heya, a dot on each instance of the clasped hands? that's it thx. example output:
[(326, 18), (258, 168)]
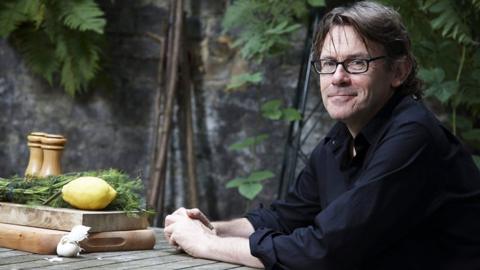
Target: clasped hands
[(189, 230)]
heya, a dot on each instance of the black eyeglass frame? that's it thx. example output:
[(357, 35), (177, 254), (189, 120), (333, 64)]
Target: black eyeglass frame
[(345, 64)]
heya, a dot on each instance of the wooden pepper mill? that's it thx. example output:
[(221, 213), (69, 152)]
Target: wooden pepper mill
[(52, 146), (36, 154)]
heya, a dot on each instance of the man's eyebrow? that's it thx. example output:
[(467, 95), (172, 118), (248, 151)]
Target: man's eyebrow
[(350, 56)]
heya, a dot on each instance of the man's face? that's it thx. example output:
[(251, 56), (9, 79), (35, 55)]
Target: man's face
[(354, 98)]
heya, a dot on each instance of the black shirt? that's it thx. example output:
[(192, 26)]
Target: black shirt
[(409, 199)]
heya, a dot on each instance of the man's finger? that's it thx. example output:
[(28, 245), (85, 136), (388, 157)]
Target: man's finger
[(170, 219), (180, 211), (197, 214), (167, 232)]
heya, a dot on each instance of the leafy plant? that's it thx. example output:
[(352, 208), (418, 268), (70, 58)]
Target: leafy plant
[(446, 44), (250, 186), (61, 37), (263, 28), (263, 25)]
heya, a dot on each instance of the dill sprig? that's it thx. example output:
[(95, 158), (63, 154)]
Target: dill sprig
[(47, 191)]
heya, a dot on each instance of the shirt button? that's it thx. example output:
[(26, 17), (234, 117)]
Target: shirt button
[(333, 142)]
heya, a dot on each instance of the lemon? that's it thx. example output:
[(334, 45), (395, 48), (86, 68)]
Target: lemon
[(88, 193)]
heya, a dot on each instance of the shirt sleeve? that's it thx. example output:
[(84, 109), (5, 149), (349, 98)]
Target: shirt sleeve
[(390, 196), (299, 208)]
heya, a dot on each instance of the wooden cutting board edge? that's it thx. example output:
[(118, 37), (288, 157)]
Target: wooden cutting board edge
[(44, 241), (64, 218)]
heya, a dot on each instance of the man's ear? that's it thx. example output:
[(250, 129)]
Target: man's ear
[(402, 68)]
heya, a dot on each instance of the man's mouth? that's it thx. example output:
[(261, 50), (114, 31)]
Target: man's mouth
[(341, 97), (342, 94)]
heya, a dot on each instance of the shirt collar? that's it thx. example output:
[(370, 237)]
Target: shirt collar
[(373, 128)]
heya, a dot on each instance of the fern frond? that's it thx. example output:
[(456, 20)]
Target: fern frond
[(12, 13), (37, 49), (80, 54), (448, 21), (57, 36), (29, 8), (83, 15), (476, 4), (68, 79)]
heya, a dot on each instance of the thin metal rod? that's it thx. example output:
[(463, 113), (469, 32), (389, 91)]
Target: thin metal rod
[(289, 162)]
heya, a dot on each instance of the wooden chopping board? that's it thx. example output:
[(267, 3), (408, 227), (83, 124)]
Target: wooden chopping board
[(44, 241), (64, 219)]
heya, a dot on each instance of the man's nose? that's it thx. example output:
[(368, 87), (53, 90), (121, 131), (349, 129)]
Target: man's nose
[(340, 76)]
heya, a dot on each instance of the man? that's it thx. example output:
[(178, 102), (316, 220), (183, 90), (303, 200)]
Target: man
[(388, 187)]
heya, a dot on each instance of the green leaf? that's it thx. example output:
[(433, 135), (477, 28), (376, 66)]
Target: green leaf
[(316, 3), (271, 109), (236, 182), (250, 190), (277, 29), (282, 28), (37, 49), (11, 15), (271, 105), (476, 159), (443, 91), (68, 79), (291, 114), (248, 142), (446, 90), (260, 176), (84, 15), (242, 79), (435, 75), (272, 115)]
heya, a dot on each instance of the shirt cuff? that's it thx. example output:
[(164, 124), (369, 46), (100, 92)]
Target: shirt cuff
[(263, 218), (261, 246)]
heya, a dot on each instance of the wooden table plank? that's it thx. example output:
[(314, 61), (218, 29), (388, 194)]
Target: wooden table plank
[(189, 263), (78, 263), (163, 256)]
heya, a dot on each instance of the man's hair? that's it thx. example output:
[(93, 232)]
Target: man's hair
[(377, 23)]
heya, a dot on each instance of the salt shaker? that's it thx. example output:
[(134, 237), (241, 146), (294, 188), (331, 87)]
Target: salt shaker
[(52, 146)]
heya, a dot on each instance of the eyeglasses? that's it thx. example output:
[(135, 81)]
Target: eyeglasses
[(352, 66)]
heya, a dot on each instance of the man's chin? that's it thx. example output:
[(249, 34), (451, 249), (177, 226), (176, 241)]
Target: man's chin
[(340, 116)]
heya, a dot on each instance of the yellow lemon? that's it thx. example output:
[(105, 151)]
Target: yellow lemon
[(88, 193)]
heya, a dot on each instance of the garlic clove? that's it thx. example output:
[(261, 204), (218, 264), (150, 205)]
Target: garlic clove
[(68, 249), (68, 245)]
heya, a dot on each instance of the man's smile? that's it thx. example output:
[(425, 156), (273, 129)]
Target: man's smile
[(341, 97)]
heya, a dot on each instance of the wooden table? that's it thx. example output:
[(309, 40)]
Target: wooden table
[(161, 257)]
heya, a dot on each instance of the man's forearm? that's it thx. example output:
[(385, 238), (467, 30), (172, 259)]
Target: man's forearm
[(233, 250), (240, 227)]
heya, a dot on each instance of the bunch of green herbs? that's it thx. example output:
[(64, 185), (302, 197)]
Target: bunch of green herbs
[(47, 191)]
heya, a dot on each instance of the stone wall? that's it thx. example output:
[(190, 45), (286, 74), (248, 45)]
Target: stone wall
[(113, 126)]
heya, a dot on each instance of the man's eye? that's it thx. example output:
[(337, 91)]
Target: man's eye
[(328, 64), (357, 63)]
